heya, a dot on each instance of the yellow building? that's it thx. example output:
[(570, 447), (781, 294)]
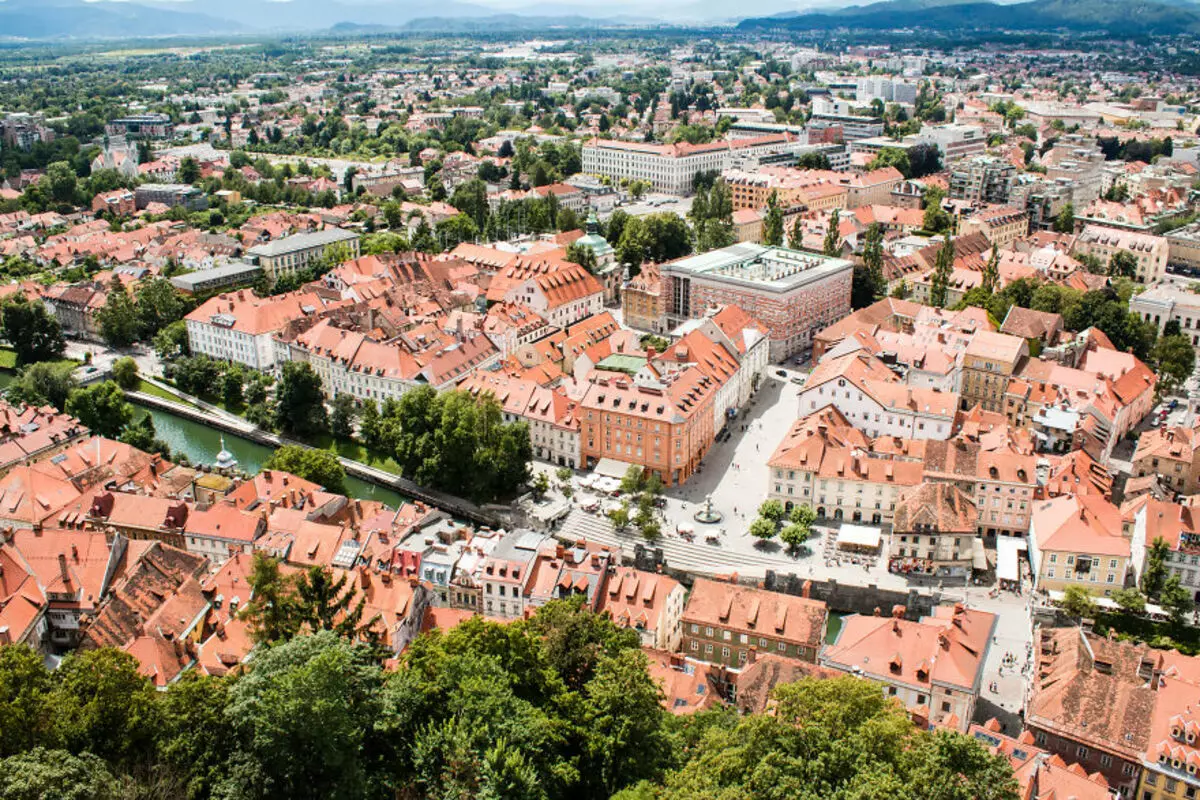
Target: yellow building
[(990, 360), (1078, 540)]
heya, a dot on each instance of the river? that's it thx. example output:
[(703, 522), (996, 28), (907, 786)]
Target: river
[(201, 445)]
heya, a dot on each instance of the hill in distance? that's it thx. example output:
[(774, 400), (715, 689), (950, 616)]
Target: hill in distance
[(1113, 16)]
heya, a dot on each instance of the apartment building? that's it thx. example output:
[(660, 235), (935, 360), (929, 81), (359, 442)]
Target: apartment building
[(289, 254), (1091, 701), (792, 294), (1078, 540), (142, 126), (1165, 303), (873, 399), (724, 623), (934, 667), (982, 179), (1002, 225), (1151, 252), (647, 602), (826, 463), (671, 168), (1172, 455), (1148, 520), (665, 427), (934, 530), (990, 360), (504, 574), (241, 327), (560, 292), (642, 300), (170, 195)]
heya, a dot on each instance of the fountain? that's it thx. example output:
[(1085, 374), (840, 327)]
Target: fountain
[(707, 515)]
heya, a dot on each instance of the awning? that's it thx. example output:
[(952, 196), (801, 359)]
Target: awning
[(611, 468), (858, 536), (1008, 558)]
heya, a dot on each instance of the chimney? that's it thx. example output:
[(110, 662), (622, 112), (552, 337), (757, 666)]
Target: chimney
[(806, 590), (898, 611), (62, 568), (752, 656), (364, 578), (74, 552)]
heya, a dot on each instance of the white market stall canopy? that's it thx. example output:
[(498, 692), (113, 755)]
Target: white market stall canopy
[(862, 536)]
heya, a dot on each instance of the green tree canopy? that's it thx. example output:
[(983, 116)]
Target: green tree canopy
[(102, 407), (30, 330), (319, 466)]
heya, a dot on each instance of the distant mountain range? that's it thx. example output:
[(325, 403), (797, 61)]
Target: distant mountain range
[(1113, 16), (92, 19)]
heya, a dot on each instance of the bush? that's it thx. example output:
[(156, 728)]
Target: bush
[(125, 372)]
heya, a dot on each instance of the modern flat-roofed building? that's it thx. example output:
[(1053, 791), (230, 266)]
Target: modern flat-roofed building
[(170, 195), (983, 179), (295, 252), (852, 127), (235, 273), (142, 126), (792, 293)]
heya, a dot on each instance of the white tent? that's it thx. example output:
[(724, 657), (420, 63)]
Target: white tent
[(862, 537), (1008, 557)]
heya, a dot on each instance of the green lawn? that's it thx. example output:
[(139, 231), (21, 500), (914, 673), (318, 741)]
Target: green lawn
[(149, 388), (355, 452), (8, 359)]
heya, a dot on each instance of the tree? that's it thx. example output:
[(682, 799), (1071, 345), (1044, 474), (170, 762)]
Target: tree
[(1077, 601), (119, 324), (1123, 264), (772, 510), (232, 386), (101, 704), (582, 255), (813, 160), (936, 220), (943, 266), (803, 515), (195, 738), (61, 182), (159, 304), (575, 639), (125, 372), (1176, 599), (867, 281), (345, 411), (41, 774), (25, 684), (302, 721), (1155, 571), (319, 466), (836, 738), (43, 383), (634, 246), (712, 217), (369, 425), (794, 536), (1130, 600), (1065, 221), (189, 170), (631, 481), (30, 330), (991, 272), (833, 237), (773, 223), (101, 407), (763, 529), (143, 435), (172, 341), (540, 484), (1175, 359), (619, 517), (300, 404)]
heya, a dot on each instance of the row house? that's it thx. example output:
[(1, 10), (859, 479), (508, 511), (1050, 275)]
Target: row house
[(934, 666), (1148, 521), (647, 602), (934, 531), (1149, 251), (561, 293)]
